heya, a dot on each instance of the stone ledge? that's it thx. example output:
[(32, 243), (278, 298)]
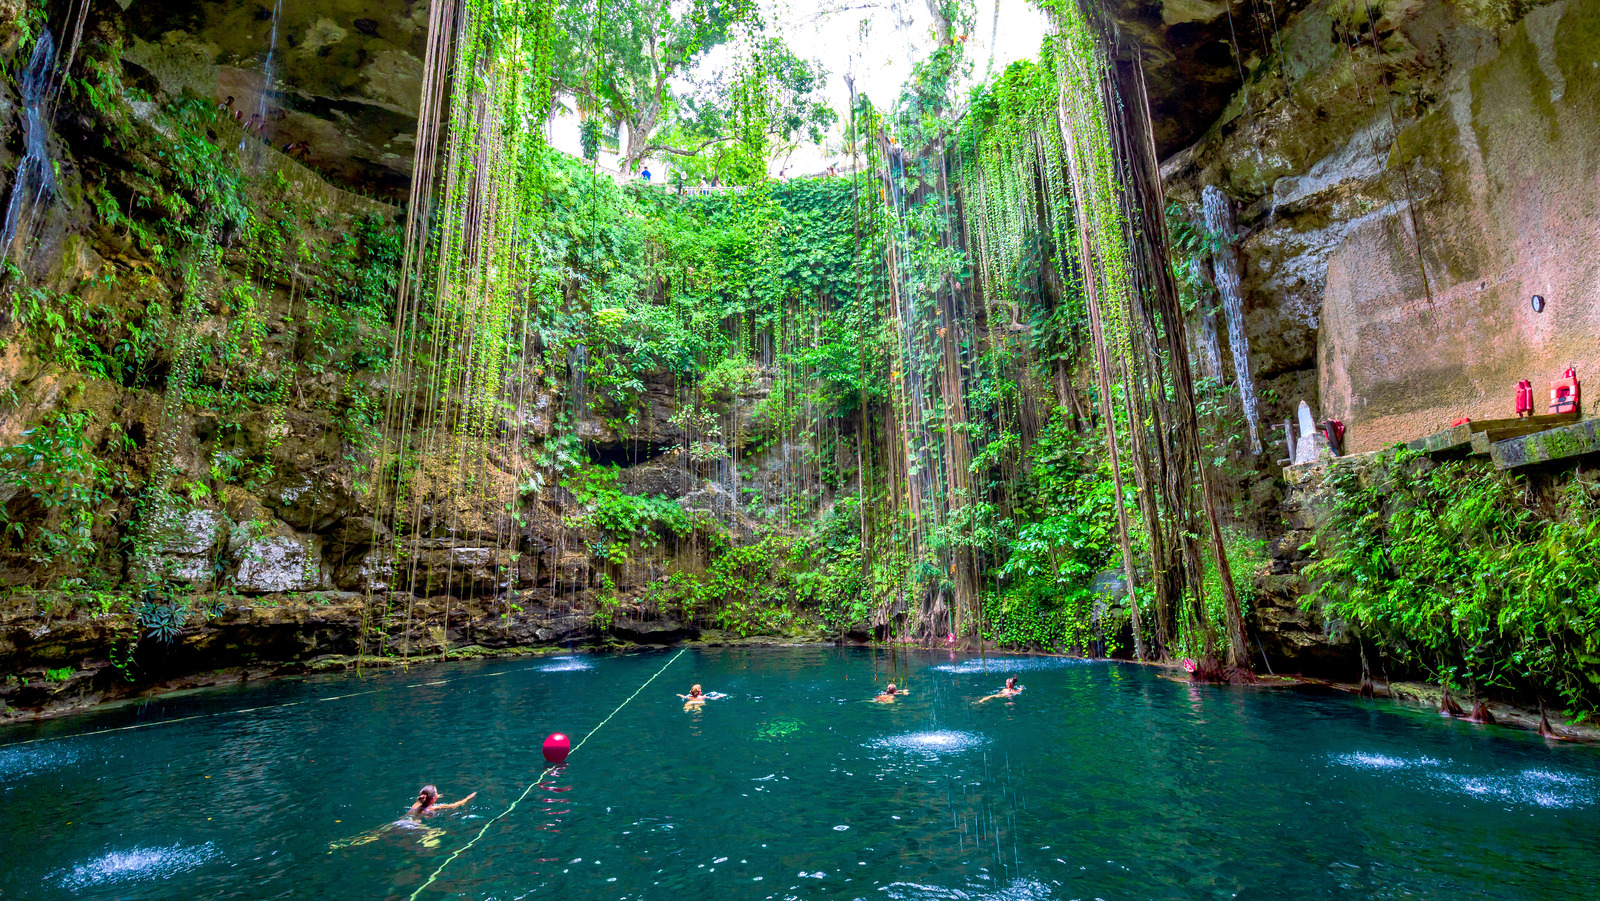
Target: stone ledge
[(1542, 447)]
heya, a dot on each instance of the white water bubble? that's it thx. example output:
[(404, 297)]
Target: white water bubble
[(1016, 890), (840, 828), (935, 741), (566, 665), (1367, 760), (18, 762), (1535, 787), (136, 864)]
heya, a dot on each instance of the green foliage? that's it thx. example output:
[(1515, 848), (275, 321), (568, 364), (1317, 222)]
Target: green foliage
[(1467, 574), (57, 486), (623, 517), (1047, 599), (656, 68), (1247, 554), (607, 603), (59, 675), (161, 617)]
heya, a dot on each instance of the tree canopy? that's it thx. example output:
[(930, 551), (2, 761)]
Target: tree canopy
[(700, 78)]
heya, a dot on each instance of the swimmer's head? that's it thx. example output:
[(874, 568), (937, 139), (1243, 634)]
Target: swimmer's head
[(694, 691), (890, 690), (1011, 682), (427, 796)]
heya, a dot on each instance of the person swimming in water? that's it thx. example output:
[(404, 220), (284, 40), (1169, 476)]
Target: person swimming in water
[(1011, 690), (410, 826), (694, 698), (890, 693), (428, 802)]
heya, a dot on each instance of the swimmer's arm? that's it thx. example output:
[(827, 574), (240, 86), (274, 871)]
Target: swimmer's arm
[(454, 804)]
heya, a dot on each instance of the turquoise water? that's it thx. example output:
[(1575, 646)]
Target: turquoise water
[(1100, 780)]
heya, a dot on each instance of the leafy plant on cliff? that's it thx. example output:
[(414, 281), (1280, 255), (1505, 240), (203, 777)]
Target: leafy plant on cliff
[(54, 487)]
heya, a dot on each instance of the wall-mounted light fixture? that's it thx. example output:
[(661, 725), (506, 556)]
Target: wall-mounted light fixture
[(1538, 303)]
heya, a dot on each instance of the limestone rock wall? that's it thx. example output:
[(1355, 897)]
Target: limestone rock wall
[(1405, 186)]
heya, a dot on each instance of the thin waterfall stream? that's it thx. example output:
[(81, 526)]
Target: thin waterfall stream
[(262, 106), (1219, 220), (35, 178)]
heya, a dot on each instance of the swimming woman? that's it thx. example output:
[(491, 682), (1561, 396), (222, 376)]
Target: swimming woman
[(694, 698), (410, 826), (1011, 690), (428, 802), (890, 693)]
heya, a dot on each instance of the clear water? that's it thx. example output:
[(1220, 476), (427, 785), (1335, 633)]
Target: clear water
[(1100, 780)]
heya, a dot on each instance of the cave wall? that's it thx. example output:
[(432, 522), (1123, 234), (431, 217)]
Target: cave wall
[(347, 74), (1404, 187)]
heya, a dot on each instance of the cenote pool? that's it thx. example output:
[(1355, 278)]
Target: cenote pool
[(1100, 781)]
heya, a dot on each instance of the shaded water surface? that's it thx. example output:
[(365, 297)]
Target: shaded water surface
[(1100, 780)]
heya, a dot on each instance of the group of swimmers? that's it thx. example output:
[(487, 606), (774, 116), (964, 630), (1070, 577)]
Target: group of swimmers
[(428, 798), (697, 697)]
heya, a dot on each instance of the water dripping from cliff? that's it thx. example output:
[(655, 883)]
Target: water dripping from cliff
[(260, 117), (35, 180), (1219, 220)]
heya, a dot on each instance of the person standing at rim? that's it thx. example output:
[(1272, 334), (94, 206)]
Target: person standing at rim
[(428, 802)]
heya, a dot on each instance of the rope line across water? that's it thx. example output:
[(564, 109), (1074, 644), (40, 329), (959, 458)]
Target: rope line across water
[(526, 791)]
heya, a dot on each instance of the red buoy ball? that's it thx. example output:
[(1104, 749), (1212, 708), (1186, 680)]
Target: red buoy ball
[(557, 747)]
